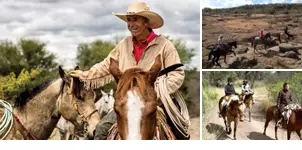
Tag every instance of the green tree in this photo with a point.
(36, 56)
(26, 54)
(10, 58)
(184, 52)
(89, 54)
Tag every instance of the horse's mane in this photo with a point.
(29, 93)
(131, 78)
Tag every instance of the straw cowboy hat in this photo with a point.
(141, 9)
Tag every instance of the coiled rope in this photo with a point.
(6, 121)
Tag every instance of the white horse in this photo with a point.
(67, 131)
(105, 104)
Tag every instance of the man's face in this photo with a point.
(136, 25)
(287, 87)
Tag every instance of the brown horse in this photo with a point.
(37, 112)
(294, 123)
(247, 101)
(257, 40)
(232, 114)
(135, 105)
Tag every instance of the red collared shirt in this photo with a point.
(140, 48)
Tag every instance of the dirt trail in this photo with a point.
(246, 130)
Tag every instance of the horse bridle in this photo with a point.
(79, 111)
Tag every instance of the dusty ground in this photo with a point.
(215, 128)
(240, 28)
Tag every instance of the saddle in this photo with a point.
(247, 96)
(288, 110)
(226, 102)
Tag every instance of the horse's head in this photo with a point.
(77, 105)
(106, 102)
(136, 100)
(234, 44)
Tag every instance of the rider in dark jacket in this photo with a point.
(229, 90)
(284, 98)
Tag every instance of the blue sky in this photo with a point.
(234, 3)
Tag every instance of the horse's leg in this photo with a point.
(225, 58)
(249, 113)
(235, 128)
(276, 128)
(229, 125)
(213, 60)
(217, 60)
(233, 52)
(288, 134)
(226, 125)
(255, 47)
(269, 117)
(299, 134)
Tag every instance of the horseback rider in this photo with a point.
(246, 90)
(140, 50)
(284, 98)
(219, 43)
(228, 90)
(261, 33)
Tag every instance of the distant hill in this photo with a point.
(258, 9)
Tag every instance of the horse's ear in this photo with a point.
(111, 92)
(77, 68)
(103, 93)
(155, 69)
(61, 72)
(114, 70)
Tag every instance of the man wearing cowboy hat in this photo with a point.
(138, 50)
(246, 90)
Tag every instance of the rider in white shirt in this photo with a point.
(246, 90)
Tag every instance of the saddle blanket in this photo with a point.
(288, 110)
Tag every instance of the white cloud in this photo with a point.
(296, 1)
(65, 24)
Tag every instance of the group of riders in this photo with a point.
(284, 99)
(221, 44)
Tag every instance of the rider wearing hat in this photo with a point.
(261, 33)
(228, 90)
(246, 90)
(139, 50)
